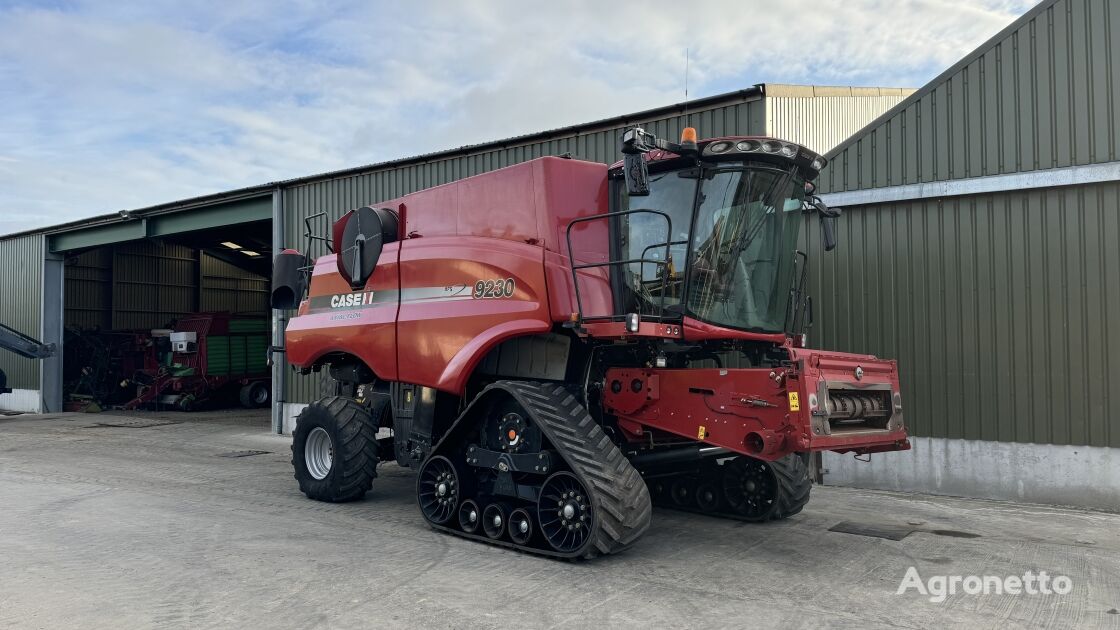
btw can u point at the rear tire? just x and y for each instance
(334, 450)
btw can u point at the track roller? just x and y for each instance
(708, 496)
(494, 519)
(469, 516)
(682, 491)
(520, 526)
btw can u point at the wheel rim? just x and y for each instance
(469, 516)
(749, 487)
(318, 453)
(438, 490)
(565, 512)
(520, 526)
(260, 395)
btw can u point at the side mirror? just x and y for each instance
(828, 232)
(636, 170)
(828, 222)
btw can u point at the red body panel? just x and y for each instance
(510, 224)
(444, 326)
(367, 331)
(765, 413)
(486, 259)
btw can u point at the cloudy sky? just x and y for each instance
(105, 106)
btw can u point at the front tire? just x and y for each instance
(334, 450)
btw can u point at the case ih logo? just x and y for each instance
(350, 300)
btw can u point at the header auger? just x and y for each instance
(557, 344)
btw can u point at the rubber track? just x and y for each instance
(356, 452)
(621, 505)
(794, 486)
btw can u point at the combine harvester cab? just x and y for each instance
(558, 344)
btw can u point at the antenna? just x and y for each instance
(688, 121)
(686, 75)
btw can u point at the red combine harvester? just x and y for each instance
(557, 344)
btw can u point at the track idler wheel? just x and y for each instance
(565, 512)
(520, 526)
(438, 490)
(494, 520)
(470, 516)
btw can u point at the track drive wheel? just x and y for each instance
(334, 450)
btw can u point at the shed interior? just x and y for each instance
(175, 322)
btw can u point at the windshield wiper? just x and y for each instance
(740, 244)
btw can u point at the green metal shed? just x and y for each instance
(980, 249)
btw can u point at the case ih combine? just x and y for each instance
(557, 344)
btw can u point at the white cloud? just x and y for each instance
(107, 106)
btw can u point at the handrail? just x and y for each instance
(611, 263)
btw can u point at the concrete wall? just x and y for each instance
(25, 400)
(1086, 476)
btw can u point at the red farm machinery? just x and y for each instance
(558, 345)
(200, 358)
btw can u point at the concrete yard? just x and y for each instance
(145, 524)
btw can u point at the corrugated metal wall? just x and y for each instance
(21, 290)
(999, 309)
(227, 287)
(822, 117)
(88, 290)
(600, 145)
(1044, 95)
(996, 306)
(153, 283)
(146, 284)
